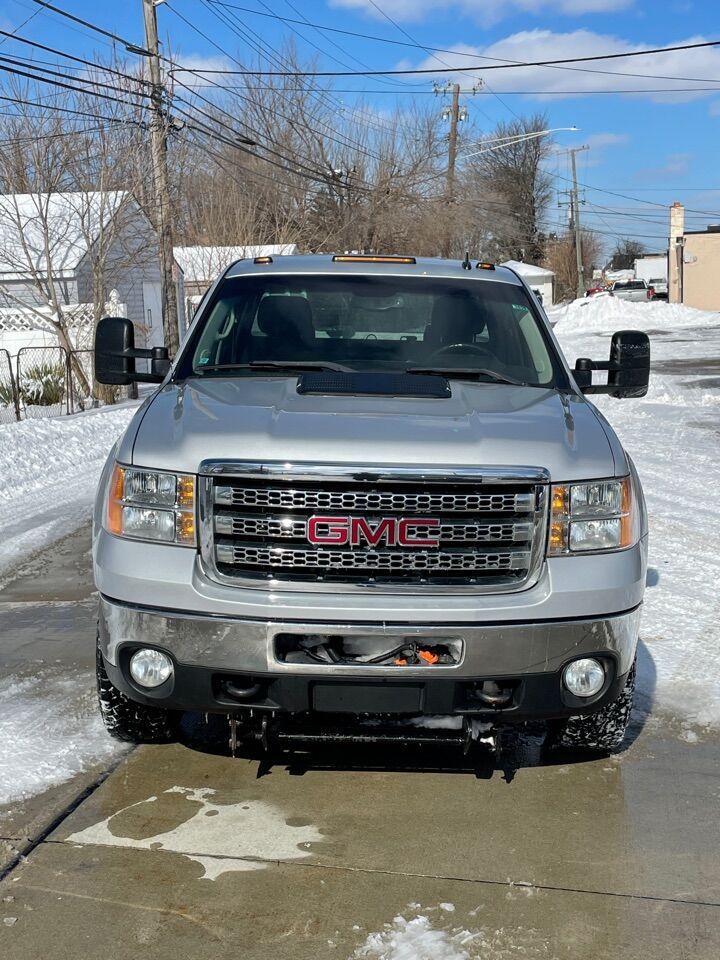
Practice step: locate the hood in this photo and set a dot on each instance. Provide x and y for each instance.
(265, 419)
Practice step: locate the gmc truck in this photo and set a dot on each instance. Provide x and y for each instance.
(369, 498)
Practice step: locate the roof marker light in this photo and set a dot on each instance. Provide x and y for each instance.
(484, 265)
(362, 258)
(263, 260)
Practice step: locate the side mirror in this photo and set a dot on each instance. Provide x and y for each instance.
(115, 355)
(629, 371)
(628, 367)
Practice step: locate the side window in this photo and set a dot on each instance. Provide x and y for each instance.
(536, 347)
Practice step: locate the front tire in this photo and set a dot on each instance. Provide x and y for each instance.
(128, 721)
(601, 732)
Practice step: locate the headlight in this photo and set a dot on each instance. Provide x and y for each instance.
(150, 505)
(587, 517)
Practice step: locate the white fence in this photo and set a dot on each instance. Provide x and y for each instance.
(27, 327)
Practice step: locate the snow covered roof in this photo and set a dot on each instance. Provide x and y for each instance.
(74, 221)
(203, 264)
(529, 270)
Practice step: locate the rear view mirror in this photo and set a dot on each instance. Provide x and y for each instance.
(115, 355)
(628, 367)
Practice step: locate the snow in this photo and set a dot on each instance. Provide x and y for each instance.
(50, 730)
(427, 935)
(672, 435)
(203, 264)
(414, 939)
(49, 470)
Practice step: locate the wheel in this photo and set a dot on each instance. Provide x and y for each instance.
(602, 732)
(127, 720)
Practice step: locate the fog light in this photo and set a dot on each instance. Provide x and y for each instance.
(150, 668)
(584, 678)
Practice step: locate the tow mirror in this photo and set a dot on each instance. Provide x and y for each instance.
(628, 367)
(115, 355)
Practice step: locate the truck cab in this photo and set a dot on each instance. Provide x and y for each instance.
(369, 492)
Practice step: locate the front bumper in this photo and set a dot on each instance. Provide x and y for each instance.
(210, 651)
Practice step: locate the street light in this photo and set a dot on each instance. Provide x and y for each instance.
(509, 141)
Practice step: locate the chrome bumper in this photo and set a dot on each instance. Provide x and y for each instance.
(488, 650)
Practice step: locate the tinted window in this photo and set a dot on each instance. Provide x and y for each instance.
(372, 323)
(630, 285)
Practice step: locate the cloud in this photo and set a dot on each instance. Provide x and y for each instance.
(599, 143)
(415, 11)
(676, 165)
(197, 63)
(583, 78)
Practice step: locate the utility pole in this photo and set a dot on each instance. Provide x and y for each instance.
(163, 213)
(452, 158)
(575, 201)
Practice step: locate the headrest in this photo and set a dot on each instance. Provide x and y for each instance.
(454, 319)
(290, 317)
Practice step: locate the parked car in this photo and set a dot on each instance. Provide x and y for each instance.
(326, 534)
(660, 286)
(632, 290)
(596, 290)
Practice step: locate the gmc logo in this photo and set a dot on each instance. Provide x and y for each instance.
(341, 531)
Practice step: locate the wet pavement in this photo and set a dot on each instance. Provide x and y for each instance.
(185, 851)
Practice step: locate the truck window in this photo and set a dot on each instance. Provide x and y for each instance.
(372, 324)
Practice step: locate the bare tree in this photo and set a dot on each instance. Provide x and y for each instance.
(513, 190)
(560, 258)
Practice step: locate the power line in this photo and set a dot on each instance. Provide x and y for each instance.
(69, 56)
(128, 44)
(498, 63)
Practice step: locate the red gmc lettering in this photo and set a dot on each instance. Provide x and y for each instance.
(360, 530)
(335, 532)
(405, 540)
(338, 531)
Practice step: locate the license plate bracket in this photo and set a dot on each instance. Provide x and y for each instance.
(368, 697)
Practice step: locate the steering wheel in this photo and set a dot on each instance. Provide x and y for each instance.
(465, 347)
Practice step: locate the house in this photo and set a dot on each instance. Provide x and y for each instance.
(202, 265)
(693, 263)
(538, 278)
(82, 246)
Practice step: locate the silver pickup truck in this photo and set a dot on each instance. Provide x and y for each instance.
(636, 290)
(370, 498)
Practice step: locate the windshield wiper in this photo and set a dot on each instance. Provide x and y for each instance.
(277, 365)
(466, 373)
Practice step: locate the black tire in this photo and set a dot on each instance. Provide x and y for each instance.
(129, 721)
(601, 732)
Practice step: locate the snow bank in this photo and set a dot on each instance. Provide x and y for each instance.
(607, 314)
(673, 437)
(50, 730)
(49, 471)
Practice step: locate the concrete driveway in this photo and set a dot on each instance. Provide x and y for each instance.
(183, 851)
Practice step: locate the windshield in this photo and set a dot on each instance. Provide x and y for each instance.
(630, 285)
(365, 323)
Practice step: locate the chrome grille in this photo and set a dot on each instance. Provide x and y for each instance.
(371, 500)
(359, 559)
(491, 527)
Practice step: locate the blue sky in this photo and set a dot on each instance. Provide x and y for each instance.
(653, 147)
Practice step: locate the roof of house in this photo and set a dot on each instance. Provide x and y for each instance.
(529, 270)
(203, 264)
(74, 222)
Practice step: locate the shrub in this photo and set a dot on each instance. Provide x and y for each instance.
(7, 397)
(43, 384)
